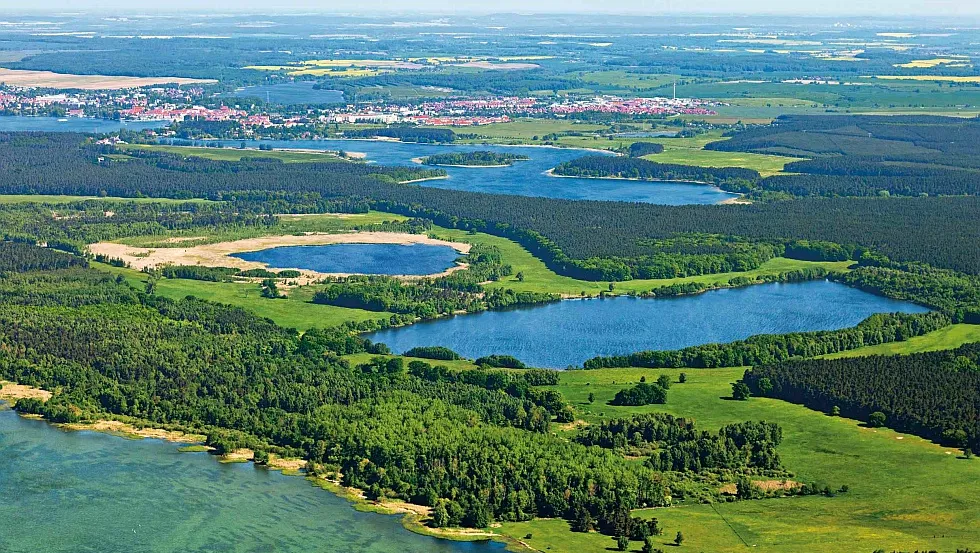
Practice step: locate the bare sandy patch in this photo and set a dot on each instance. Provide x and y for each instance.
(242, 455)
(179, 239)
(47, 79)
(12, 391)
(125, 429)
(218, 255)
(764, 485)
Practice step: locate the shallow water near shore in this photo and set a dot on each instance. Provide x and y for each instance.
(570, 332)
(90, 492)
(371, 259)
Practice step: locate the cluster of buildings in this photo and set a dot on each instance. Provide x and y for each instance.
(180, 104)
(92, 103)
(484, 111)
(635, 106)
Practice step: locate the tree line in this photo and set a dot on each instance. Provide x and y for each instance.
(935, 394)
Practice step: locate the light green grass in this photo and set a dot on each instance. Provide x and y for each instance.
(538, 278)
(689, 151)
(294, 311)
(905, 492)
(59, 199)
(950, 337)
(235, 154)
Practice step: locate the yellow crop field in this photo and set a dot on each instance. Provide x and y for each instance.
(935, 62)
(942, 78)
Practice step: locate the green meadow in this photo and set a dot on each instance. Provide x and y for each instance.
(905, 493)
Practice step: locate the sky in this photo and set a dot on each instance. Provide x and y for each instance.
(653, 7)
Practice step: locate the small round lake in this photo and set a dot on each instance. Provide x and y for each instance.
(369, 259)
(569, 332)
(89, 492)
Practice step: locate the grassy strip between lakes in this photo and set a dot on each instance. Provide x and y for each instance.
(905, 493)
(539, 278)
(296, 311)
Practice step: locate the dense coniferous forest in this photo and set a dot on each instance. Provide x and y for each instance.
(866, 155)
(576, 238)
(935, 395)
(635, 168)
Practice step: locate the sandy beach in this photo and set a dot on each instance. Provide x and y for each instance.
(219, 254)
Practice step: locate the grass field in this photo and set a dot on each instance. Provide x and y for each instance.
(56, 199)
(538, 278)
(905, 492)
(945, 338)
(690, 151)
(294, 311)
(235, 154)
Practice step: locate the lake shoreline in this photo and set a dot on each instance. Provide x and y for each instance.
(219, 254)
(413, 514)
(728, 201)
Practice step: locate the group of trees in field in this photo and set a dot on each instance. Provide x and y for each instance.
(674, 444)
(245, 382)
(637, 168)
(640, 149)
(935, 394)
(641, 394)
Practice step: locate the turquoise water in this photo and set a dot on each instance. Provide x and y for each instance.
(82, 492)
(13, 123)
(370, 259)
(569, 332)
(527, 178)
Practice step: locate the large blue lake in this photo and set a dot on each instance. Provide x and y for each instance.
(525, 178)
(85, 492)
(569, 332)
(15, 123)
(298, 92)
(372, 259)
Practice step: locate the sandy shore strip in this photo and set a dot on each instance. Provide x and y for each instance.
(10, 391)
(48, 79)
(218, 255)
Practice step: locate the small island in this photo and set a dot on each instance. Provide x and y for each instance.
(473, 159)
